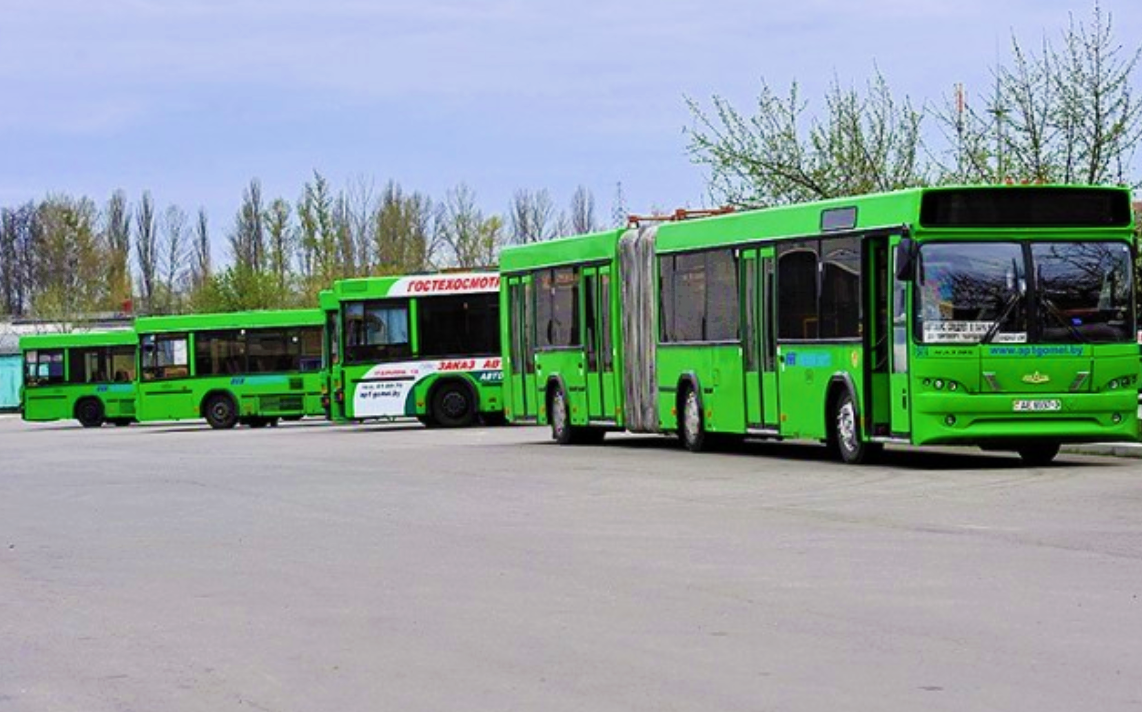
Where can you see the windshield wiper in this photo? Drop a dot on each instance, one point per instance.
(1008, 307)
(1058, 314)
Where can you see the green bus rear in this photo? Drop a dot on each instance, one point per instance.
(1002, 317)
(423, 346)
(87, 376)
(250, 368)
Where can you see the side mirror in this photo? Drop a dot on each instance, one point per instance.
(906, 259)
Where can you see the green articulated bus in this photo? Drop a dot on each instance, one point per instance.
(248, 368)
(88, 376)
(424, 346)
(999, 316)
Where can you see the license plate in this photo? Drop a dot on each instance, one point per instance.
(1038, 405)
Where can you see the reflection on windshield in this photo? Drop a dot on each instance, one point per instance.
(973, 292)
(965, 288)
(1084, 291)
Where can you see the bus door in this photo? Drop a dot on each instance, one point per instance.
(898, 354)
(597, 344)
(750, 281)
(521, 349)
(767, 333)
(877, 336)
(332, 375)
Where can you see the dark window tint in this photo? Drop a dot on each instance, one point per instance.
(165, 356)
(557, 308)
(310, 339)
(797, 291)
(721, 317)
(699, 296)
(590, 310)
(333, 333)
(749, 306)
(1025, 207)
(840, 288)
(103, 364)
(465, 324)
(376, 331)
(605, 321)
(43, 367)
(218, 353)
(272, 350)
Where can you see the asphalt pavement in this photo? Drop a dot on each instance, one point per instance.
(389, 567)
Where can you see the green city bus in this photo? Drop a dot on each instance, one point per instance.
(88, 376)
(998, 316)
(423, 346)
(248, 368)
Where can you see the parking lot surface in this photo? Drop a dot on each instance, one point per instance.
(389, 567)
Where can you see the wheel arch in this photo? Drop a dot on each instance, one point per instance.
(840, 383)
(687, 380)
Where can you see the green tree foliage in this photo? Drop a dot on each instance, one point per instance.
(402, 232)
(69, 267)
(117, 241)
(867, 141)
(1066, 114)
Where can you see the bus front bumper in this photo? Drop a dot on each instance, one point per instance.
(989, 418)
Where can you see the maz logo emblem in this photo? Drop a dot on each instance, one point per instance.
(1036, 378)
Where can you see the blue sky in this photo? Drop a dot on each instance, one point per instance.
(192, 98)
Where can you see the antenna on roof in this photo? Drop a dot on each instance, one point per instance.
(678, 215)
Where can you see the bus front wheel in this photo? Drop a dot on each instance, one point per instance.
(221, 413)
(846, 436)
(1038, 454)
(560, 415)
(89, 413)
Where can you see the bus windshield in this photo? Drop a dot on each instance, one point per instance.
(980, 292)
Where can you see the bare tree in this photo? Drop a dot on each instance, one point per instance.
(531, 217)
(201, 265)
(472, 239)
(117, 241)
(582, 218)
(360, 212)
(248, 240)
(174, 256)
(146, 249)
(317, 238)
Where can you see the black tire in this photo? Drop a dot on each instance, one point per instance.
(845, 438)
(559, 415)
(1038, 454)
(427, 421)
(691, 423)
(89, 412)
(221, 411)
(453, 405)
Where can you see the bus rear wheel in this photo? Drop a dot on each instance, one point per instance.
(452, 406)
(691, 428)
(89, 412)
(560, 416)
(1038, 454)
(846, 436)
(221, 413)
